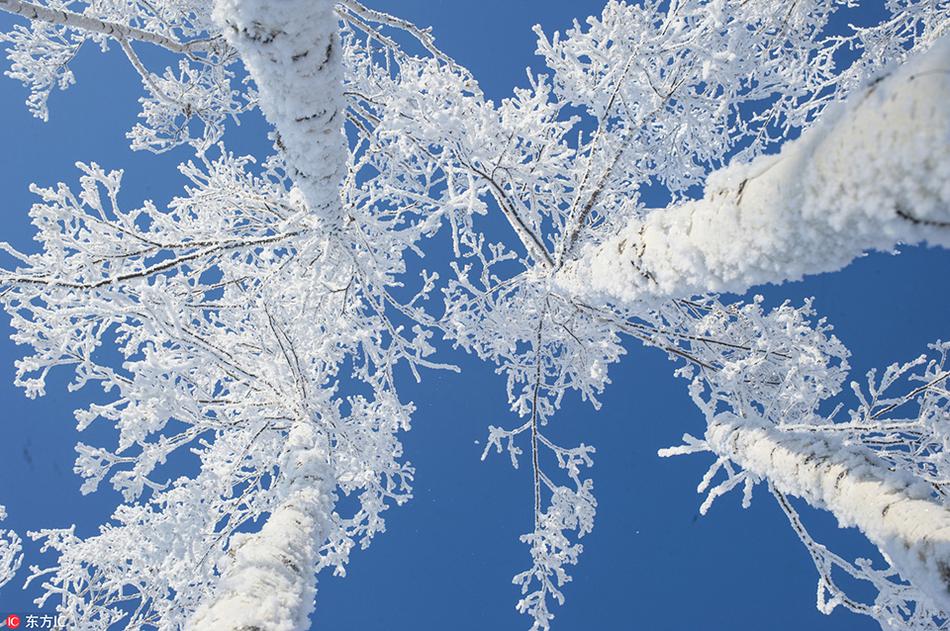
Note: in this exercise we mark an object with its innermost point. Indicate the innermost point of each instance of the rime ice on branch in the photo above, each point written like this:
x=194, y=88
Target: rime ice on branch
x=11, y=548
x=871, y=174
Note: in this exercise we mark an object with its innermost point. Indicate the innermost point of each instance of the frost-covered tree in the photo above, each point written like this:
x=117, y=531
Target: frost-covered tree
x=262, y=314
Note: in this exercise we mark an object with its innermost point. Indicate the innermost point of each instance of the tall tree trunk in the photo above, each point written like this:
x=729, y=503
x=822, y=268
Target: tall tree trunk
x=270, y=584
x=895, y=510
x=872, y=173
x=292, y=50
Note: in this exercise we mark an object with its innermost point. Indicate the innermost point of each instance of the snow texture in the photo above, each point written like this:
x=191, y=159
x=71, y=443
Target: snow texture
x=874, y=172
x=894, y=509
x=270, y=585
x=293, y=52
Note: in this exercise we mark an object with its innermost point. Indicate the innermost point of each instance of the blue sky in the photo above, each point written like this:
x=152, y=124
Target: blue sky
x=448, y=557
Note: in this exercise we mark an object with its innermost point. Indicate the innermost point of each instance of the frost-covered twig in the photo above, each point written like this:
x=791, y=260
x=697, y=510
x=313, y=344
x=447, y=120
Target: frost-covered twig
x=567, y=516
x=38, y=12
x=11, y=552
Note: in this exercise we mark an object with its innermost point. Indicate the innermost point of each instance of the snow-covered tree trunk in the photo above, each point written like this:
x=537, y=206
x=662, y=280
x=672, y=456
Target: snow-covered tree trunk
x=892, y=508
x=872, y=173
x=292, y=50
x=270, y=584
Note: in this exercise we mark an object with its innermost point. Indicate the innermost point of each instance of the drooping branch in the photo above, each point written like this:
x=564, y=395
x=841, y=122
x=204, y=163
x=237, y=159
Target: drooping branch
x=870, y=175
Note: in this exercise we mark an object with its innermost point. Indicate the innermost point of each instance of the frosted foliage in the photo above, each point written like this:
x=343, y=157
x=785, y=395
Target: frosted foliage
x=196, y=89
x=11, y=549
x=39, y=57
x=267, y=315
x=177, y=292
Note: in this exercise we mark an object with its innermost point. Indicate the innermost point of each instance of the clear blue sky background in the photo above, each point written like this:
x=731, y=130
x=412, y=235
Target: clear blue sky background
x=447, y=559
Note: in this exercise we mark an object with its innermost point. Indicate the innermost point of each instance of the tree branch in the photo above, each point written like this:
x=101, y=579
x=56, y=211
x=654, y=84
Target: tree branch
x=39, y=13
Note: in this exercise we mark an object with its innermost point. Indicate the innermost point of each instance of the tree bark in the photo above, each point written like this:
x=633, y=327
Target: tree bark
x=872, y=173
x=270, y=584
x=896, y=511
x=292, y=50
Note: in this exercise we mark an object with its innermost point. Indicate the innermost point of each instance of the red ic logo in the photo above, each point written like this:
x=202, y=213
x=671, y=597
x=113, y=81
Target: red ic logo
x=12, y=621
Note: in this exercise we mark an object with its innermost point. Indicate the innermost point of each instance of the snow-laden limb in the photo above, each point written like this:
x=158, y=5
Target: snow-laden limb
x=39, y=13
x=293, y=52
x=871, y=174
x=790, y=365
x=11, y=552
x=271, y=584
x=893, y=509
x=897, y=607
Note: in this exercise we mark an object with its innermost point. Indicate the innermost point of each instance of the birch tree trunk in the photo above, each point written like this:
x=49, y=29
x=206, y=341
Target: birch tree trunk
x=270, y=584
x=874, y=172
x=895, y=510
x=292, y=50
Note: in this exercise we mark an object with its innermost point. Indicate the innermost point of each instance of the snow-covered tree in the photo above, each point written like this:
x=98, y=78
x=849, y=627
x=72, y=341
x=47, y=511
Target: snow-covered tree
x=263, y=313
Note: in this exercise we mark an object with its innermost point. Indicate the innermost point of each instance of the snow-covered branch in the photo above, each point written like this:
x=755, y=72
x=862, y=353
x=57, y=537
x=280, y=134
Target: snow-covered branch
x=11, y=548
x=871, y=174
x=62, y=17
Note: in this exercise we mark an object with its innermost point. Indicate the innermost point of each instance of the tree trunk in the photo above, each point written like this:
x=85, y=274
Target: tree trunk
x=872, y=173
x=895, y=510
x=270, y=584
x=292, y=50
